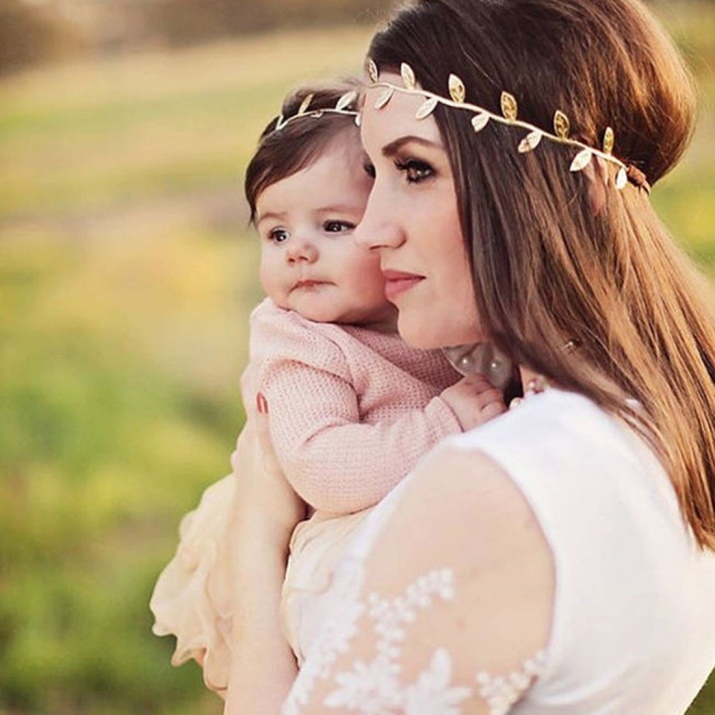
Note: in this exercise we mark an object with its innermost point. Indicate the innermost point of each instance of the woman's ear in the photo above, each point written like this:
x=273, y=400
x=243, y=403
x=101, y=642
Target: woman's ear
x=597, y=174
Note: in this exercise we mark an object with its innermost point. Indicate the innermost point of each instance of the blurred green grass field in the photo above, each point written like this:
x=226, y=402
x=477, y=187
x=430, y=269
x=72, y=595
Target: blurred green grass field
x=126, y=275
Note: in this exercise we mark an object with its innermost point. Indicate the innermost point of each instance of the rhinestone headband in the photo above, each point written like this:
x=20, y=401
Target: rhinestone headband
x=342, y=106
x=509, y=108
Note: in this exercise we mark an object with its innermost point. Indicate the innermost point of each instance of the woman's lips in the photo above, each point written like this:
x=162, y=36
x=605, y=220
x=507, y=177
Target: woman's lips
x=397, y=282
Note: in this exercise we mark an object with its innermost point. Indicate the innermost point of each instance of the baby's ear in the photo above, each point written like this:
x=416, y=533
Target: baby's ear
x=597, y=174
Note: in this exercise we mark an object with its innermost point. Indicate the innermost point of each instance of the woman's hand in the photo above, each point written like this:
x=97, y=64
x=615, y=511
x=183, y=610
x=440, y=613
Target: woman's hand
x=263, y=494
x=266, y=510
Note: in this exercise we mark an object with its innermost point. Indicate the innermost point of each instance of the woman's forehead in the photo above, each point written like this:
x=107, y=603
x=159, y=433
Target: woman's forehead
x=383, y=124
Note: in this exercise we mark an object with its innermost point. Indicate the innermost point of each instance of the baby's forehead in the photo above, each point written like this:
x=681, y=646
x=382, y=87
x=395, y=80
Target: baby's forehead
x=347, y=140
x=335, y=177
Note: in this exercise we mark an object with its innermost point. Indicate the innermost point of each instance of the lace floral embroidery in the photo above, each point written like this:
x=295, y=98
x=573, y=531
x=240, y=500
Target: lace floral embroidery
x=502, y=692
x=375, y=688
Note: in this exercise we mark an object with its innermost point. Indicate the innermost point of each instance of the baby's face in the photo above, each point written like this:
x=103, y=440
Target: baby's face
x=309, y=260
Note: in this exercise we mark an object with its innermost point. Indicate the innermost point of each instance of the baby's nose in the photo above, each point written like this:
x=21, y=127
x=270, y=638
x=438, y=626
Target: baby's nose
x=301, y=251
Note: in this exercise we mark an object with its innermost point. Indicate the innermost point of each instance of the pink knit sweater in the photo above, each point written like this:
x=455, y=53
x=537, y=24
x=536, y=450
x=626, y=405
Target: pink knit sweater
x=351, y=410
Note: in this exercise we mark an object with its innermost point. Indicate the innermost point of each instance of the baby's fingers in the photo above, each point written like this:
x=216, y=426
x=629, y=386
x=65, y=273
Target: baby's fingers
x=493, y=409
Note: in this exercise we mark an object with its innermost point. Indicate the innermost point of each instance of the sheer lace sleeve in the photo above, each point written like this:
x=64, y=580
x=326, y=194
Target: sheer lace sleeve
x=449, y=615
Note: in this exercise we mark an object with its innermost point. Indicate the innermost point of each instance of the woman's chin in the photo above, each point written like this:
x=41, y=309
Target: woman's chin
x=425, y=336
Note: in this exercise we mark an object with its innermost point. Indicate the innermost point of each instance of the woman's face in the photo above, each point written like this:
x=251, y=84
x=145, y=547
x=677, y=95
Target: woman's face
x=412, y=221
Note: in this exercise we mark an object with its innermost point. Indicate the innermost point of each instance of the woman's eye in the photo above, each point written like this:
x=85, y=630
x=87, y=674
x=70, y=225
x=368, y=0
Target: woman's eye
x=415, y=170
x=370, y=170
x=338, y=226
x=278, y=235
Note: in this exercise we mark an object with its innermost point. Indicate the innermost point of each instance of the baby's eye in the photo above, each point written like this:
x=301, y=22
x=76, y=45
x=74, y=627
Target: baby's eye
x=415, y=170
x=338, y=226
x=370, y=169
x=278, y=235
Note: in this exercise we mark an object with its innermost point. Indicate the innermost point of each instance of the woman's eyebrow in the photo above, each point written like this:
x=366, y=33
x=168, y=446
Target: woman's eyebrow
x=389, y=150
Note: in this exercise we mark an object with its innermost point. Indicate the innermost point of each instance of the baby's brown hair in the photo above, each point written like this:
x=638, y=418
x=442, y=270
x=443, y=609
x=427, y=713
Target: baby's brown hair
x=284, y=150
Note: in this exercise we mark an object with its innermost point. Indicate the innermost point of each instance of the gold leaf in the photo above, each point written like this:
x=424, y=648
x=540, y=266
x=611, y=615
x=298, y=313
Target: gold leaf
x=562, y=125
x=346, y=100
x=479, y=121
x=457, y=90
x=581, y=160
x=426, y=108
x=509, y=107
x=372, y=70
x=609, y=140
x=530, y=141
x=621, y=179
x=384, y=97
x=305, y=104
x=408, y=76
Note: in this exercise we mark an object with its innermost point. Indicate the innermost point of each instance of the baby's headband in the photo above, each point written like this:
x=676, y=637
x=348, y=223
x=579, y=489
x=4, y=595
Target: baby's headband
x=343, y=106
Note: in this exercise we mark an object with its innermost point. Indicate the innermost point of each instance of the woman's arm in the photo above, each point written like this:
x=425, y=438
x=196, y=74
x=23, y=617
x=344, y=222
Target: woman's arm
x=266, y=509
x=459, y=592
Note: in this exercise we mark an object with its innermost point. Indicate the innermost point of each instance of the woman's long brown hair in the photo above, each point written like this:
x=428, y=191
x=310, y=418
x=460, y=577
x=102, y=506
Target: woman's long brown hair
x=546, y=269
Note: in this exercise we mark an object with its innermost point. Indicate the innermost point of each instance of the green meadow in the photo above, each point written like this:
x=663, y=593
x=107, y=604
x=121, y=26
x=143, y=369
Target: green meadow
x=127, y=271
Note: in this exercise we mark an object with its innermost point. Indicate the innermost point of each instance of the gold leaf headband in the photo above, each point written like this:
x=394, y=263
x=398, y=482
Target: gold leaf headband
x=342, y=106
x=509, y=108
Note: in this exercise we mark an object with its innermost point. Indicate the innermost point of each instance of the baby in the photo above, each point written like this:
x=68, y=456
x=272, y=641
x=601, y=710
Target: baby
x=352, y=406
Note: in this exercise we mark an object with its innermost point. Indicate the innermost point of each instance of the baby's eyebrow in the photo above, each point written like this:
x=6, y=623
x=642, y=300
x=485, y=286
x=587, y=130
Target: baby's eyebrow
x=339, y=209
x=272, y=215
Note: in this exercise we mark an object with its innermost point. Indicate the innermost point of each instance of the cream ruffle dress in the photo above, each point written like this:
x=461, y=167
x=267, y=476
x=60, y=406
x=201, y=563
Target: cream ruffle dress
x=192, y=598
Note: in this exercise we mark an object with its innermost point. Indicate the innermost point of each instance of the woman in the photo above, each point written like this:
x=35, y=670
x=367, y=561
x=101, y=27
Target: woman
x=559, y=559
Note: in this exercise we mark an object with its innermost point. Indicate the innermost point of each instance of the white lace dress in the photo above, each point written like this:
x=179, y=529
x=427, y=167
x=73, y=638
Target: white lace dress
x=631, y=628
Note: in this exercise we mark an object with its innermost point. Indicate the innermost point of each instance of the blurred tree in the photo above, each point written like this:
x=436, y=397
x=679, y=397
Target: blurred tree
x=29, y=34
x=183, y=22
x=33, y=31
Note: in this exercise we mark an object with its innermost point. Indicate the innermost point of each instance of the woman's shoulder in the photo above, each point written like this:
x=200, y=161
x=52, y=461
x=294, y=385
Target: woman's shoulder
x=572, y=460
x=604, y=510
x=560, y=429
x=457, y=595
x=540, y=517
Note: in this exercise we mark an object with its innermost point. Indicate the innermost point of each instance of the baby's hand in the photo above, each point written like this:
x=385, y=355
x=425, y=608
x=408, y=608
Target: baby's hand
x=474, y=400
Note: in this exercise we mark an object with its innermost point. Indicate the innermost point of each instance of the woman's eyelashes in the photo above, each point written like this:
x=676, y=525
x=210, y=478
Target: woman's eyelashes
x=415, y=170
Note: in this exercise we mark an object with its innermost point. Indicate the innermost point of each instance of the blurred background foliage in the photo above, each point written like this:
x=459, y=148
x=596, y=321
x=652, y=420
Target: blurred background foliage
x=127, y=271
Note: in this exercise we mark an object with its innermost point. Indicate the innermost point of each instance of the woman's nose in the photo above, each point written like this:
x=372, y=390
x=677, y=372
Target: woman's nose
x=379, y=227
x=300, y=250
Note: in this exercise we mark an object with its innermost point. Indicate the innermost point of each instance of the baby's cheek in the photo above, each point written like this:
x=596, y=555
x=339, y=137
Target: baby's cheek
x=268, y=275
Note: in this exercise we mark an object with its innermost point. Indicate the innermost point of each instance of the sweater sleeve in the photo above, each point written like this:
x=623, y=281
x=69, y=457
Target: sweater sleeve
x=335, y=462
